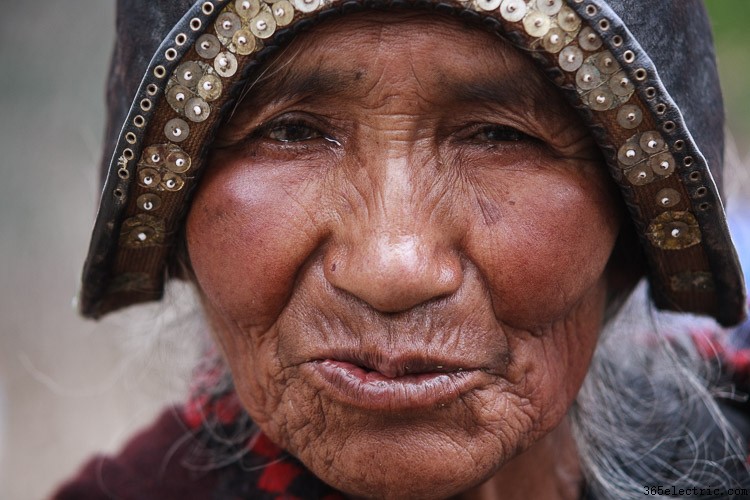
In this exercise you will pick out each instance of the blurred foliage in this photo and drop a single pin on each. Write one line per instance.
(729, 17)
(731, 23)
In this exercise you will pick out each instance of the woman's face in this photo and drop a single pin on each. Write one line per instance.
(401, 241)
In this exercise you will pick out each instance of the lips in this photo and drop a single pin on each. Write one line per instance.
(397, 367)
(388, 385)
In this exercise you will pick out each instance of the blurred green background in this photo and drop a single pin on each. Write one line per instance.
(731, 22)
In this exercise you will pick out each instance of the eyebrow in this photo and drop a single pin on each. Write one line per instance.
(514, 90)
(294, 85)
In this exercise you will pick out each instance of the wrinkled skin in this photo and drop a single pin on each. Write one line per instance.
(401, 242)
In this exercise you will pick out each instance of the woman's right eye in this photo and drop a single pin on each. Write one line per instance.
(291, 132)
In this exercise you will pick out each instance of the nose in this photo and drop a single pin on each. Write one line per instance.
(394, 274)
(397, 258)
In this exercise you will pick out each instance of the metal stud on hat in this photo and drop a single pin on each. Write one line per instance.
(605, 71)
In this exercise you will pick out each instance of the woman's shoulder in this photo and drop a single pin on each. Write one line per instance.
(150, 466)
(736, 358)
(204, 449)
(730, 351)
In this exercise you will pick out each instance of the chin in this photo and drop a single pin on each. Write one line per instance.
(434, 452)
(398, 474)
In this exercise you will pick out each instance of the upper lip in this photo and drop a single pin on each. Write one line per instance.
(398, 365)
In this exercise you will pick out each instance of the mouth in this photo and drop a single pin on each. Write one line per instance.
(377, 365)
(381, 384)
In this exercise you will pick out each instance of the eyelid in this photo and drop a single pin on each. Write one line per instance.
(268, 125)
(470, 131)
(322, 127)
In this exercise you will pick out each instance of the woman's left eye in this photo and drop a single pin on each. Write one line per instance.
(498, 133)
(292, 132)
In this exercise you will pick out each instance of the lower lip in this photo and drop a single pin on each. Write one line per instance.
(373, 391)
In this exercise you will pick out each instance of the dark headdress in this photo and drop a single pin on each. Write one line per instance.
(641, 73)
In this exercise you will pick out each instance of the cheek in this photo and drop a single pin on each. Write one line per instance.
(543, 259)
(238, 234)
(549, 246)
(551, 361)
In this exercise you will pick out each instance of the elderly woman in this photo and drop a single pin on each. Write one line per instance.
(408, 235)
